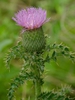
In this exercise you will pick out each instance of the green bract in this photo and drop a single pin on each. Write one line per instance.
(33, 40)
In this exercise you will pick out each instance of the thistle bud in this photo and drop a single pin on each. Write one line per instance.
(32, 20)
(34, 40)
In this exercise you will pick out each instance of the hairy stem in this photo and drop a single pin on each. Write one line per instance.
(37, 83)
(37, 89)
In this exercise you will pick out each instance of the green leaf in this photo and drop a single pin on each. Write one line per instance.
(66, 49)
(54, 55)
(16, 52)
(60, 94)
(18, 81)
(60, 46)
(47, 59)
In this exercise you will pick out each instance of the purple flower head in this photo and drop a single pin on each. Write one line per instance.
(31, 18)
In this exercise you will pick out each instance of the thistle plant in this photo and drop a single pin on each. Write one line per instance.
(35, 52)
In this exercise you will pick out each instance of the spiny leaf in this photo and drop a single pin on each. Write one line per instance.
(47, 96)
(60, 94)
(52, 96)
(54, 55)
(18, 81)
(16, 52)
(47, 59)
(59, 50)
(66, 49)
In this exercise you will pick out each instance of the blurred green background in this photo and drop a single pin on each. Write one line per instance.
(61, 29)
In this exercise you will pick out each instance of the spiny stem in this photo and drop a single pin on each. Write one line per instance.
(37, 83)
(37, 89)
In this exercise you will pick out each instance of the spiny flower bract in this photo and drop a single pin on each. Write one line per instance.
(31, 18)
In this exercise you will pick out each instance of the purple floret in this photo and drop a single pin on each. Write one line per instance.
(31, 18)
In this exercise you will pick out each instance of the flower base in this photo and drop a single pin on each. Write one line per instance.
(33, 40)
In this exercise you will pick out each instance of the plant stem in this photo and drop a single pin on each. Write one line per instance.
(37, 89)
(37, 83)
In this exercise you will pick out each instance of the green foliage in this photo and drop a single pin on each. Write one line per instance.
(18, 81)
(58, 50)
(34, 67)
(61, 94)
(15, 52)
